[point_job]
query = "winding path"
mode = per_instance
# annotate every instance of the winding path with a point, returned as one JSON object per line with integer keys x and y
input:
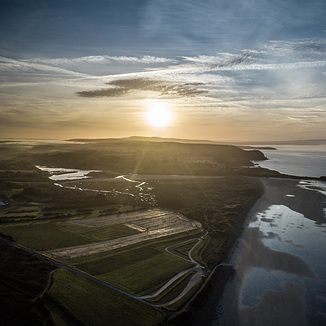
{"x": 199, "y": 270}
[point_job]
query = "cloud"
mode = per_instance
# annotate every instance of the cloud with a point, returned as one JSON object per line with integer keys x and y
{"x": 107, "y": 92}
{"x": 271, "y": 56}
{"x": 165, "y": 89}
{"x": 261, "y": 77}
{"x": 274, "y": 55}
{"x": 21, "y": 66}
{"x": 274, "y": 66}
{"x": 103, "y": 59}
{"x": 227, "y": 59}
{"x": 277, "y": 57}
{"x": 271, "y": 72}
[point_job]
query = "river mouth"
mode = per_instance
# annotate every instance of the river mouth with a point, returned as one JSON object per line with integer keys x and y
{"x": 279, "y": 261}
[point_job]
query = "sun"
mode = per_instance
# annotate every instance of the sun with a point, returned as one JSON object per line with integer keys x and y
{"x": 158, "y": 114}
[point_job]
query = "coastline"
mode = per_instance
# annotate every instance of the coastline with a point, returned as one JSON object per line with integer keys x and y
{"x": 210, "y": 292}
{"x": 199, "y": 311}
{"x": 277, "y": 245}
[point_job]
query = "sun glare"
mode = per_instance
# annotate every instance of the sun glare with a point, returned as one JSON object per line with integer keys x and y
{"x": 158, "y": 114}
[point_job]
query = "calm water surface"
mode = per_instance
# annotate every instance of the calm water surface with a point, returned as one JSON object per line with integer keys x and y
{"x": 301, "y": 160}
{"x": 280, "y": 265}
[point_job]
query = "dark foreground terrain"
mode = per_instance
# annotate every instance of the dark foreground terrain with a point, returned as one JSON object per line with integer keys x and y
{"x": 24, "y": 279}
{"x": 27, "y": 195}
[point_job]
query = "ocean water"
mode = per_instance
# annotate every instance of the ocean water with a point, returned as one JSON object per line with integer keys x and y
{"x": 300, "y": 160}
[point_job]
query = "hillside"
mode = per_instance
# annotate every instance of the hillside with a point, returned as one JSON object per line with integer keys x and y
{"x": 150, "y": 157}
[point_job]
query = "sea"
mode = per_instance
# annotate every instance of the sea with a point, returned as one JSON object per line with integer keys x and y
{"x": 299, "y": 160}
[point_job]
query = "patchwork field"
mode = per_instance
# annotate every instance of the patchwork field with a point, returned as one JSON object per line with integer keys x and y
{"x": 147, "y": 224}
{"x": 53, "y": 234}
{"x": 127, "y": 250}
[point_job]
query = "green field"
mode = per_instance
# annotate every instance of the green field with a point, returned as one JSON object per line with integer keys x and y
{"x": 100, "y": 233}
{"x": 139, "y": 269}
{"x": 97, "y": 305}
{"x": 146, "y": 276}
{"x": 43, "y": 235}
{"x": 183, "y": 248}
{"x": 55, "y": 234}
{"x": 111, "y": 261}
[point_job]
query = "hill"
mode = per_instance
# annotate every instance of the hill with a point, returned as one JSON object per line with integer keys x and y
{"x": 148, "y": 156}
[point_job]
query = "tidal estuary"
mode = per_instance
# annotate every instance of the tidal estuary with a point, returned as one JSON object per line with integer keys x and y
{"x": 279, "y": 262}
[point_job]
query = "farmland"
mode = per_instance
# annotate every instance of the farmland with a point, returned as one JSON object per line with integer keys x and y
{"x": 53, "y": 234}
{"x": 85, "y": 299}
{"x": 151, "y": 223}
{"x": 149, "y": 242}
{"x": 73, "y": 238}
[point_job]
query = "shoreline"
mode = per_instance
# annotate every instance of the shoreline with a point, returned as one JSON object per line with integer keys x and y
{"x": 211, "y": 291}
{"x": 283, "y": 217}
{"x": 274, "y": 192}
{"x": 214, "y": 285}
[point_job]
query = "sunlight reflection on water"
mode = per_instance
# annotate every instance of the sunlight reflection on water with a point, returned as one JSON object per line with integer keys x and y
{"x": 305, "y": 160}
{"x": 63, "y": 174}
{"x": 280, "y": 260}
{"x": 288, "y": 231}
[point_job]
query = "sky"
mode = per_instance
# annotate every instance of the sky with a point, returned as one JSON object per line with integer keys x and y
{"x": 224, "y": 70}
